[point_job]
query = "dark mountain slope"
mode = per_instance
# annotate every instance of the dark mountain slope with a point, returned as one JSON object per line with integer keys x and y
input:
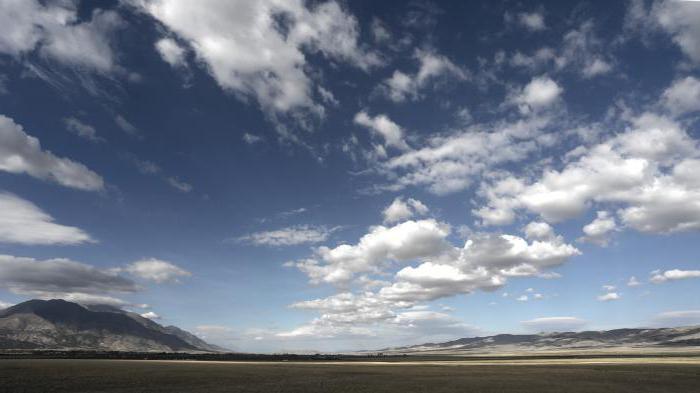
{"x": 60, "y": 324}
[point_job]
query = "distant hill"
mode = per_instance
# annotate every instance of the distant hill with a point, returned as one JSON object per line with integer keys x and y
{"x": 59, "y": 324}
{"x": 589, "y": 340}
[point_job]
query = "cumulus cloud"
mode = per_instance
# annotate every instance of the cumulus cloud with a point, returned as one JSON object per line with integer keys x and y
{"x": 533, "y": 21}
{"x": 289, "y": 236}
{"x": 22, "y": 153}
{"x": 448, "y": 163}
{"x": 370, "y": 315}
{"x": 4, "y": 305}
{"x": 430, "y": 281}
{"x": 383, "y": 126}
{"x": 597, "y": 232}
{"x": 538, "y": 230}
{"x": 658, "y": 276}
{"x": 554, "y": 324}
{"x": 258, "y": 49}
{"x": 633, "y": 282}
{"x": 652, "y": 163}
{"x": 400, "y": 210}
{"x": 435, "y": 270}
{"x": 610, "y": 296}
{"x": 54, "y": 31}
{"x": 483, "y": 263}
{"x": 156, "y": 270}
{"x": 679, "y": 20}
{"x": 432, "y": 66}
{"x": 406, "y": 241}
{"x": 171, "y": 52}
{"x": 683, "y": 96}
{"x": 61, "y": 278}
{"x": 22, "y": 222}
{"x": 82, "y": 129}
{"x": 150, "y": 315}
{"x": 539, "y": 93}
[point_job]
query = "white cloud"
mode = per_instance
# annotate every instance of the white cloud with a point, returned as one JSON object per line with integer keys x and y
{"x": 54, "y": 32}
{"x": 677, "y": 318}
{"x": 429, "y": 281}
{"x": 371, "y": 315}
{"x": 60, "y": 278}
{"x": 82, "y": 129}
{"x": 539, "y": 93}
{"x": 447, "y": 163}
{"x": 514, "y": 256}
{"x": 406, "y": 241}
{"x": 597, "y": 232}
{"x": 145, "y": 167}
{"x": 683, "y": 96}
{"x": 533, "y": 21}
{"x": 156, "y": 270}
{"x": 86, "y": 298}
{"x": 555, "y": 324}
{"x": 382, "y": 125}
{"x": 4, "y": 305}
{"x": 580, "y": 51}
{"x": 633, "y": 282}
{"x": 150, "y": 315}
{"x": 380, "y": 32}
{"x": 22, "y": 222}
{"x": 401, "y": 86}
{"x": 610, "y": 296}
{"x": 252, "y": 139}
{"x": 679, "y": 20}
{"x": 290, "y": 236}
{"x": 171, "y": 52}
{"x": 179, "y": 184}
{"x": 485, "y": 261}
{"x": 522, "y": 298}
{"x": 596, "y": 67}
{"x": 658, "y": 277}
{"x": 400, "y": 210}
{"x": 257, "y": 49}
{"x": 126, "y": 126}
{"x": 22, "y": 153}
{"x": 538, "y": 231}
{"x": 655, "y": 190}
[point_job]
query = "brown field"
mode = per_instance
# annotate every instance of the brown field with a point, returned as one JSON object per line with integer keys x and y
{"x": 580, "y": 375}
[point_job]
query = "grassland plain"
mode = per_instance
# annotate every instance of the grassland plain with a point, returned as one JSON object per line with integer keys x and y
{"x": 58, "y": 375}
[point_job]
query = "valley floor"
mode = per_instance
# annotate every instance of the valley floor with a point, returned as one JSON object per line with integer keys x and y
{"x": 554, "y": 375}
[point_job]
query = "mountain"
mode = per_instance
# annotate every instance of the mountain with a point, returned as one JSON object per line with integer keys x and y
{"x": 618, "y": 339}
{"x": 59, "y": 324}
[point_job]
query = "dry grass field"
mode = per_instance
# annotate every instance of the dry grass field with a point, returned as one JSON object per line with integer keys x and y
{"x": 639, "y": 375}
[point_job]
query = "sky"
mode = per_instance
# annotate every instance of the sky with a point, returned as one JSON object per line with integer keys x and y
{"x": 340, "y": 175}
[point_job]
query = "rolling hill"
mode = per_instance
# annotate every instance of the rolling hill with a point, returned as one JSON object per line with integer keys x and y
{"x": 605, "y": 340}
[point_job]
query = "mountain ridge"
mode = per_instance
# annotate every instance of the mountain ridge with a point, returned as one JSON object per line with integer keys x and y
{"x": 60, "y": 324}
{"x": 630, "y": 338}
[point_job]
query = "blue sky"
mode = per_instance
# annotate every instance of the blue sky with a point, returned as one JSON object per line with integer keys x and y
{"x": 333, "y": 175}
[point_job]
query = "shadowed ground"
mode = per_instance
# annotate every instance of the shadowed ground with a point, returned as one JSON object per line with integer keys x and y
{"x": 172, "y": 376}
